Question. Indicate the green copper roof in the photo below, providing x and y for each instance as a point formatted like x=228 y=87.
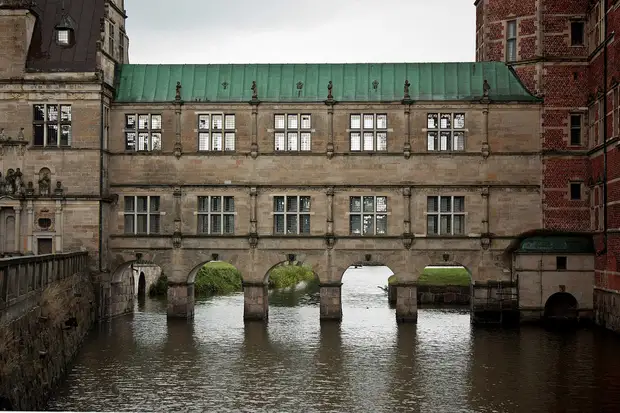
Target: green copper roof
x=367 y=82
x=557 y=244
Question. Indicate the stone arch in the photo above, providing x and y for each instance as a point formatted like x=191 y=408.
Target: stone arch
x=196 y=262
x=397 y=261
x=267 y=260
x=141 y=290
x=561 y=305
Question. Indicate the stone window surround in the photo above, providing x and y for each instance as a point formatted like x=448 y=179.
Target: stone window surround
x=111 y=38
x=210 y=131
x=596 y=20
x=45 y=122
x=209 y=214
x=123 y=212
x=571 y=127
x=299 y=130
x=451 y=213
x=570 y=190
x=584 y=36
x=285 y=213
x=137 y=131
x=387 y=213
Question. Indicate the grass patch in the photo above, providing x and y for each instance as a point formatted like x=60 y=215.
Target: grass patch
x=457 y=276
x=289 y=275
x=160 y=287
x=217 y=278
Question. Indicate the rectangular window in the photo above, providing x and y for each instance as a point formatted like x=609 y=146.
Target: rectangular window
x=291 y=215
x=575 y=191
x=106 y=127
x=596 y=203
x=216 y=132
x=446 y=132
x=575 y=129
x=591 y=125
x=121 y=46
x=368 y=215
x=143 y=132
x=599 y=122
x=597 y=26
x=216 y=215
x=368 y=132
x=52 y=125
x=111 y=37
x=292 y=132
x=560 y=263
x=445 y=215
x=577 y=33
x=142 y=215
x=511 y=41
x=616 y=111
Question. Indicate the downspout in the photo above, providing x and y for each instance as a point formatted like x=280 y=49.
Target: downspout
x=604 y=251
x=101 y=132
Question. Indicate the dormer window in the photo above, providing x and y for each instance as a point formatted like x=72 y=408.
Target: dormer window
x=65 y=31
x=63 y=37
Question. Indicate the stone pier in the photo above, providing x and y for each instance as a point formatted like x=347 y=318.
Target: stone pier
x=331 y=301
x=180 y=300
x=255 y=301
x=406 y=303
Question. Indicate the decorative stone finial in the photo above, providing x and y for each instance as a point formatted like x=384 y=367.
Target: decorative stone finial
x=407 y=84
x=178 y=91
x=330 y=86
x=375 y=84
x=254 y=90
x=486 y=88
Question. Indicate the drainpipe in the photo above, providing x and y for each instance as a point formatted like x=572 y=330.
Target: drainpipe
x=604 y=250
x=101 y=132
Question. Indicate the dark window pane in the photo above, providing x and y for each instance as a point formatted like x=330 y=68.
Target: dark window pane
x=459 y=224
x=65 y=135
x=203 y=224
x=459 y=204
x=278 y=224
x=575 y=191
x=369 y=224
x=229 y=204
x=382 y=224
x=129 y=223
x=154 y=224
x=355 y=204
x=216 y=204
x=142 y=224
x=445 y=224
x=52 y=135
x=291 y=204
x=278 y=204
x=381 y=204
x=130 y=121
x=216 y=224
x=432 y=204
x=369 y=204
x=355 y=223
x=129 y=204
x=229 y=224
x=432 y=223
x=304 y=225
x=291 y=224
x=142 y=204
x=39 y=133
x=304 y=204
x=130 y=141
x=577 y=33
x=446 y=204
x=154 y=204
x=39 y=113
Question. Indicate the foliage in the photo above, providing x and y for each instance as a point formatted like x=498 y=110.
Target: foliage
x=456 y=276
x=288 y=275
x=160 y=287
x=217 y=278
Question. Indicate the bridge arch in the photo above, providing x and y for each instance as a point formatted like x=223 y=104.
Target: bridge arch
x=196 y=262
x=561 y=306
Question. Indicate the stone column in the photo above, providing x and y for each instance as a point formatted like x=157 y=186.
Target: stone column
x=177 y=237
x=407 y=210
x=331 y=301
x=485 y=131
x=253 y=223
x=254 y=145
x=255 y=301
x=330 y=210
x=406 y=303
x=407 y=147
x=58 y=227
x=30 y=223
x=180 y=300
x=18 y=225
x=330 y=129
x=178 y=145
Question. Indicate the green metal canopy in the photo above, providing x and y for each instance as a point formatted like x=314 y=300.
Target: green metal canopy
x=364 y=82
x=557 y=244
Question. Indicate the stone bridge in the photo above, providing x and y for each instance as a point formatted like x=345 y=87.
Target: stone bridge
x=405 y=258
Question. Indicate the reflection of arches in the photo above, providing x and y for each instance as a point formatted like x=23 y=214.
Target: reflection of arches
x=561 y=306
x=142 y=285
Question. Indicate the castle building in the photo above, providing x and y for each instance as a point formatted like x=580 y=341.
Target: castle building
x=404 y=165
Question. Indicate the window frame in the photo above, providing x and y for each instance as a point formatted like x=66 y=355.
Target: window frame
x=597 y=32
x=106 y=127
x=437 y=141
x=211 y=131
x=46 y=124
x=452 y=214
x=596 y=204
x=561 y=262
x=362 y=130
x=287 y=129
x=148 y=213
x=362 y=213
x=571 y=186
x=298 y=213
x=616 y=111
x=511 y=42
x=582 y=41
x=209 y=213
x=572 y=127
x=111 y=38
x=137 y=131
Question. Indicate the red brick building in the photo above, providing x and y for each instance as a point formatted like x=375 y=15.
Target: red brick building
x=566 y=52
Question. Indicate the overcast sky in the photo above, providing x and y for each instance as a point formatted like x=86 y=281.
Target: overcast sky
x=300 y=31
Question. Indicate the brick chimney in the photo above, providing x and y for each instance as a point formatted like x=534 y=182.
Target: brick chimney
x=17 y=21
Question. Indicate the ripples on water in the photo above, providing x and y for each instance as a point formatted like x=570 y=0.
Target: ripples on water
x=144 y=362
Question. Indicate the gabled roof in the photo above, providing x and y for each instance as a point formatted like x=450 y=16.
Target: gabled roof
x=47 y=56
x=365 y=82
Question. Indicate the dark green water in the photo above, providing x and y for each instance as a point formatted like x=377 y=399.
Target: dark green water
x=144 y=362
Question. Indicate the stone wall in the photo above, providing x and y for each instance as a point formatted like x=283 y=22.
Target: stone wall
x=114 y=296
x=443 y=294
x=607 y=309
x=36 y=349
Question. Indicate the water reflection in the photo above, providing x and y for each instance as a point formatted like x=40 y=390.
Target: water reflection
x=366 y=363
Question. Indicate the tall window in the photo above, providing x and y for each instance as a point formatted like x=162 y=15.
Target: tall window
x=597 y=25
x=575 y=129
x=368 y=215
x=592 y=125
x=368 y=132
x=121 y=46
x=52 y=125
x=143 y=132
x=292 y=132
x=577 y=33
x=111 y=37
x=216 y=215
x=291 y=215
x=142 y=215
x=600 y=124
x=511 y=41
x=445 y=215
x=106 y=127
x=446 y=132
x=216 y=132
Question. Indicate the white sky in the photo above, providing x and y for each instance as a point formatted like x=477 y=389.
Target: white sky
x=300 y=31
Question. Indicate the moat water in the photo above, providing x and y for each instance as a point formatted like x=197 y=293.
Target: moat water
x=367 y=363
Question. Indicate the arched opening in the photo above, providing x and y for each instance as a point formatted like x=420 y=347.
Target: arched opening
x=142 y=285
x=292 y=283
x=215 y=278
x=447 y=284
x=367 y=285
x=561 y=308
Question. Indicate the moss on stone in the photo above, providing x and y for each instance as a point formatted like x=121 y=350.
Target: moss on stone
x=457 y=276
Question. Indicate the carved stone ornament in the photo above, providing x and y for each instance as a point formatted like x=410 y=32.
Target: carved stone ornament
x=45 y=183
x=178 y=91
x=176 y=191
x=485 y=242
x=254 y=89
x=330 y=150
x=486 y=88
x=407 y=84
x=254 y=150
x=12 y=183
x=485 y=150
x=330 y=191
x=177 y=239
x=178 y=150
x=59 y=191
x=408 y=241
x=30 y=189
x=407 y=150
x=44 y=220
x=330 y=86
x=330 y=241
x=253 y=240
